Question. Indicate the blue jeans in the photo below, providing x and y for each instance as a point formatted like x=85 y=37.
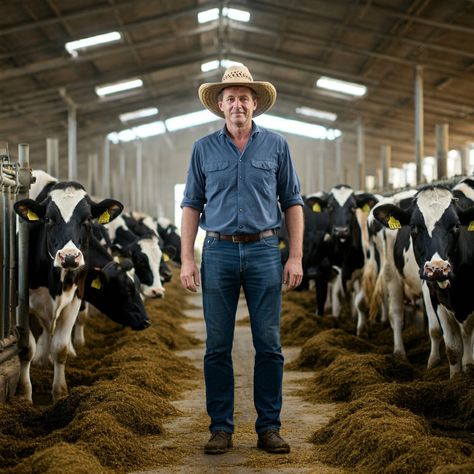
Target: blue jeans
x=226 y=267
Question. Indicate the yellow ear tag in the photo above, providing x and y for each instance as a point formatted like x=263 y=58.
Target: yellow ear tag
x=316 y=207
x=470 y=227
x=282 y=245
x=394 y=223
x=104 y=218
x=366 y=208
x=96 y=283
x=166 y=257
x=32 y=216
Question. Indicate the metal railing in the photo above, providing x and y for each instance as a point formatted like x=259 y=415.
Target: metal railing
x=15 y=182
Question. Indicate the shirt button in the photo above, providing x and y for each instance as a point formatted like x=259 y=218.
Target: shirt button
x=240 y=226
x=240 y=210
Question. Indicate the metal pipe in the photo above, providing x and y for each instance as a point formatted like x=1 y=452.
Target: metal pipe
x=339 y=172
x=105 y=191
x=52 y=157
x=385 y=158
x=360 y=155
x=139 y=177
x=72 y=143
x=25 y=178
x=419 y=124
x=466 y=159
x=6 y=259
x=122 y=181
x=442 y=146
x=321 y=179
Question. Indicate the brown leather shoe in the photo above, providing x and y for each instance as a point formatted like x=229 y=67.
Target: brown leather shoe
x=272 y=442
x=219 y=443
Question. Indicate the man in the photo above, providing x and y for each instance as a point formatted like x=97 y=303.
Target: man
x=237 y=177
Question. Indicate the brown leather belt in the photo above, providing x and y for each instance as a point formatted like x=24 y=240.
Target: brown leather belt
x=242 y=237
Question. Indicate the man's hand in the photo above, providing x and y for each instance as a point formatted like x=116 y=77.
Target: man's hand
x=293 y=273
x=190 y=278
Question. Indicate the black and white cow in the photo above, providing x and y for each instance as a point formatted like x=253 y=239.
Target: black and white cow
x=60 y=233
x=443 y=242
x=170 y=238
x=344 y=241
x=145 y=252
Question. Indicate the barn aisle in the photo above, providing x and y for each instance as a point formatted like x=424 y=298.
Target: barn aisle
x=188 y=433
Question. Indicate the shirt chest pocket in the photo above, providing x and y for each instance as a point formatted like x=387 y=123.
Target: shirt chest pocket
x=264 y=172
x=217 y=175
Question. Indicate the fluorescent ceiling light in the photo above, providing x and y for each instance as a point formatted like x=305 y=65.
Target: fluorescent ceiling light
x=235 y=14
x=136 y=114
x=232 y=13
x=118 y=87
x=141 y=131
x=190 y=120
x=210 y=65
x=337 y=85
x=297 y=127
x=321 y=114
x=225 y=63
x=208 y=15
x=73 y=46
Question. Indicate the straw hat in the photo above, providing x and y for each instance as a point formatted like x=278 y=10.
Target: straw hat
x=237 y=76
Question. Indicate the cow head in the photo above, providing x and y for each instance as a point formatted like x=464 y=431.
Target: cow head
x=67 y=213
x=115 y=291
x=435 y=223
x=341 y=205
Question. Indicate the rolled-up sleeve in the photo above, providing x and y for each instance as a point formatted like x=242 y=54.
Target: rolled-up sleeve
x=289 y=188
x=194 y=192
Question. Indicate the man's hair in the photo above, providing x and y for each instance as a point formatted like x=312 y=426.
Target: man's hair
x=220 y=96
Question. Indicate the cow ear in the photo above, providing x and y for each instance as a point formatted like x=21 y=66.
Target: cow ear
x=466 y=217
x=365 y=201
x=126 y=264
x=391 y=216
x=97 y=279
x=106 y=211
x=317 y=203
x=29 y=210
x=170 y=251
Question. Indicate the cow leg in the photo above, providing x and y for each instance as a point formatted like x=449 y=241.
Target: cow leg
x=396 y=313
x=61 y=346
x=436 y=334
x=322 y=279
x=41 y=306
x=361 y=308
x=81 y=321
x=337 y=294
x=452 y=340
x=467 y=333
x=24 y=389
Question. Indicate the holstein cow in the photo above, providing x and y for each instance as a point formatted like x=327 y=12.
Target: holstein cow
x=346 y=253
x=113 y=288
x=59 y=238
x=443 y=243
x=145 y=253
x=170 y=237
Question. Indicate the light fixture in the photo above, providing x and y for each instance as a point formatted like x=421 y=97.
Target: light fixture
x=297 y=127
x=208 y=15
x=190 y=120
x=345 y=87
x=108 y=89
x=235 y=14
x=214 y=64
x=137 y=114
x=73 y=46
x=320 y=114
x=232 y=13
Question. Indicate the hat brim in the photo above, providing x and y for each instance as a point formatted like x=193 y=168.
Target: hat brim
x=266 y=95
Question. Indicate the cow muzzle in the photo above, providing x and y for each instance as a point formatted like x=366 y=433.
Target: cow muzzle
x=341 y=233
x=153 y=292
x=438 y=271
x=69 y=257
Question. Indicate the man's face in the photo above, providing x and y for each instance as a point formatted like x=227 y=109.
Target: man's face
x=238 y=105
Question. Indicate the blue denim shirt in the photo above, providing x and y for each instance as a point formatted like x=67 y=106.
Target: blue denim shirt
x=238 y=193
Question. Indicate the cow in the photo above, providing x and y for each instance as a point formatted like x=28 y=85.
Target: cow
x=112 y=288
x=343 y=241
x=145 y=252
x=442 y=234
x=170 y=238
x=59 y=237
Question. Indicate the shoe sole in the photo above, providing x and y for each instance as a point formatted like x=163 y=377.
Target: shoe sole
x=281 y=450
x=218 y=450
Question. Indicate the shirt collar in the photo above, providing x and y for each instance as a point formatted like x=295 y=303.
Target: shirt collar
x=255 y=129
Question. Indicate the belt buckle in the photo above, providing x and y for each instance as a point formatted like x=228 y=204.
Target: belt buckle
x=234 y=239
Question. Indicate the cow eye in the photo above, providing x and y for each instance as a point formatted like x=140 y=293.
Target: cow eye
x=454 y=229
x=413 y=229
